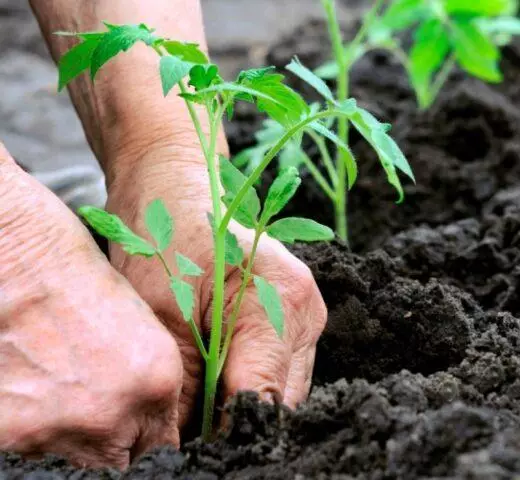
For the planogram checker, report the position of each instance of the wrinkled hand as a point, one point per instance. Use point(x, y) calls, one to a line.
point(86, 370)
point(257, 359)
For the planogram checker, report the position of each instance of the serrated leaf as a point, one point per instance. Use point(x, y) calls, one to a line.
point(118, 39)
point(301, 71)
point(475, 51)
point(113, 228)
point(281, 191)
point(271, 301)
point(159, 223)
point(351, 166)
point(254, 74)
point(386, 146)
point(292, 229)
point(172, 70)
point(76, 61)
point(328, 71)
point(291, 156)
point(187, 267)
point(402, 14)
point(234, 253)
point(202, 76)
point(232, 180)
point(430, 49)
point(486, 8)
point(189, 52)
point(183, 293)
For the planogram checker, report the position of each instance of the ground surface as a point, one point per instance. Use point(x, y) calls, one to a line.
point(422, 351)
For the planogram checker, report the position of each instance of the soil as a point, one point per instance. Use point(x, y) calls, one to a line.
point(418, 371)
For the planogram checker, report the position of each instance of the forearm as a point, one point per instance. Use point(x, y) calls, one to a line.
point(124, 113)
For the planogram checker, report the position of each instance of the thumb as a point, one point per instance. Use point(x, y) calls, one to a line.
point(5, 155)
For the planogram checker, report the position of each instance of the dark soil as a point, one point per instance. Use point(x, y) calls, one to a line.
point(423, 340)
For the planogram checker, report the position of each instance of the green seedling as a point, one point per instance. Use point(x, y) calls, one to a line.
point(185, 67)
point(446, 34)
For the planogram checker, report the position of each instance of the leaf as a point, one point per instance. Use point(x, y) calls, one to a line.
point(232, 180)
point(254, 74)
point(402, 14)
point(270, 299)
point(387, 150)
point(292, 229)
point(112, 228)
point(118, 39)
point(189, 52)
point(311, 78)
point(328, 71)
point(172, 70)
point(291, 156)
point(234, 253)
point(351, 166)
point(183, 293)
point(159, 223)
point(202, 76)
point(187, 267)
point(475, 51)
point(430, 48)
point(281, 191)
point(500, 25)
point(488, 8)
point(76, 60)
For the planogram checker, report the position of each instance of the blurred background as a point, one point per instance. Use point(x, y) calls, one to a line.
point(40, 127)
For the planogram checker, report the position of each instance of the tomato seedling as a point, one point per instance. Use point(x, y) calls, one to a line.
point(446, 34)
point(185, 66)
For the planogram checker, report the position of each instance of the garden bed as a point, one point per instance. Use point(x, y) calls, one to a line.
point(418, 372)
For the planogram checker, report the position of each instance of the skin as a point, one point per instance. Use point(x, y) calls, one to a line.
point(77, 371)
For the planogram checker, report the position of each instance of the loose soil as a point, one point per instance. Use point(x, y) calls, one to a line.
point(418, 372)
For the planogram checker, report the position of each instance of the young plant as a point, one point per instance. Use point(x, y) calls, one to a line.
point(447, 33)
point(184, 65)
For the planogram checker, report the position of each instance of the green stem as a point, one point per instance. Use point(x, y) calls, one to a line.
point(212, 363)
point(342, 95)
point(325, 156)
point(440, 80)
point(238, 302)
point(320, 179)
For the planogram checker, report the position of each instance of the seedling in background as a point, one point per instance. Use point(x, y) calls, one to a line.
point(446, 34)
point(184, 65)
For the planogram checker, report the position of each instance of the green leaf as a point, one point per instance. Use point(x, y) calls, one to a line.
point(292, 229)
point(475, 51)
point(281, 191)
point(328, 71)
point(183, 293)
point(311, 78)
point(172, 70)
point(352, 170)
point(291, 156)
point(118, 39)
point(254, 74)
point(387, 150)
point(159, 223)
point(234, 253)
point(488, 8)
point(187, 267)
point(232, 180)
point(189, 52)
point(76, 61)
point(271, 301)
point(402, 14)
point(500, 25)
point(430, 48)
point(202, 76)
point(112, 228)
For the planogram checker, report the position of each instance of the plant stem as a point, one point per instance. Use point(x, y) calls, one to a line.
point(342, 94)
point(238, 302)
point(320, 179)
point(440, 80)
point(218, 284)
point(325, 156)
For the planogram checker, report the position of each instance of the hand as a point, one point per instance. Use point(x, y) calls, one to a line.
point(257, 359)
point(86, 370)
